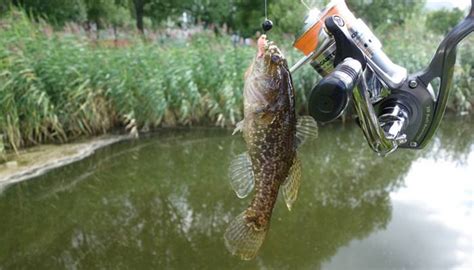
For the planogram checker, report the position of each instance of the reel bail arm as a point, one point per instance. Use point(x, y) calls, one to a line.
point(441, 66)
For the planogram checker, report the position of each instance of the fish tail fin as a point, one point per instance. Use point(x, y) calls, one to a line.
point(243, 240)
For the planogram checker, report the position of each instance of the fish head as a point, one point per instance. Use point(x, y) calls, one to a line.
point(267, 78)
point(269, 58)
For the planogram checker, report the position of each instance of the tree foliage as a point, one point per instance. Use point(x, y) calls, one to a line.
point(287, 16)
point(380, 12)
point(3, 7)
point(242, 16)
point(99, 11)
point(441, 21)
point(55, 11)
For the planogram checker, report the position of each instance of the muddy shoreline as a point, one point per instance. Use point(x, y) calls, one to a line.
point(40, 159)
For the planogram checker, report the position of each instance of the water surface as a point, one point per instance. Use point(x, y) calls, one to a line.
point(164, 202)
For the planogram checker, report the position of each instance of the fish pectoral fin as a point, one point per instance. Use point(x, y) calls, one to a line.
point(243, 240)
point(306, 128)
point(241, 175)
point(239, 127)
point(292, 183)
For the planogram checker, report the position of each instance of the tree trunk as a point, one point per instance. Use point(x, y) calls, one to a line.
point(97, 29)
point(115, 36)
point(88, 28)
point(139, 14)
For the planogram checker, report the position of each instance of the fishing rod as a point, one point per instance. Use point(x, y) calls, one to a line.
point(394, 109)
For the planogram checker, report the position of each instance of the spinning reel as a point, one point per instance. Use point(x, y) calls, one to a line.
point(394, 108)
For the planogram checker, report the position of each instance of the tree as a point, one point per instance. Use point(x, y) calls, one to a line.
point(139, 12)
point(56, 12)
point(210, 11)
point(98, 11)
point(441, 21)
point(118, 17)
point(157, 10)
point(380, 12)
point(3, 9)
point(288, 16)
point(248, 15)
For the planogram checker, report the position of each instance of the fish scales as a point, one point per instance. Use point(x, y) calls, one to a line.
point(271, 145)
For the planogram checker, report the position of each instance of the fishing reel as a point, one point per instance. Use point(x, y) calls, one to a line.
point(394, 108)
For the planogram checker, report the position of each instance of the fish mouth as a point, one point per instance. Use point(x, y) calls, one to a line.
point(262, 44)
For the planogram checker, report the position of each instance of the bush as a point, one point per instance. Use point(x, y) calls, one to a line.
point(378, 13)
point(441, 21)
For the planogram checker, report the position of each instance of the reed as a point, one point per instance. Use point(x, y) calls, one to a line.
point(57, 87)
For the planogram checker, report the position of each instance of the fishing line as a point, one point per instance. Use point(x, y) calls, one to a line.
point(306, 5)
point(267, 24)
point(266, 10)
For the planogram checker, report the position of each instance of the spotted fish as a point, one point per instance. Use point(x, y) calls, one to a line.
point(272, 134)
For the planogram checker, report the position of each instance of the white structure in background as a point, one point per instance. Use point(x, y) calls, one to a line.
point(185, 20)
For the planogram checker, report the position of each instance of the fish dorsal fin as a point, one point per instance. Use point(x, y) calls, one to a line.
point(241, 175)
point(292, 183)
point(306, 128)
point(242, 239)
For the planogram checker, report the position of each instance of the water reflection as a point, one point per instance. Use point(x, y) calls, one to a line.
point(164, 202)
point(432, 217)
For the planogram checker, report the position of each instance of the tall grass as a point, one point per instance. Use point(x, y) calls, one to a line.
point(56, 87)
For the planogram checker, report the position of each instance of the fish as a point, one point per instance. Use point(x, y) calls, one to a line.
point(272, 133)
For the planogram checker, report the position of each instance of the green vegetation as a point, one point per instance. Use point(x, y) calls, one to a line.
point(382, 12)
point(59, 85)
point(441, 21)
point(241, 16)
point(54, 88)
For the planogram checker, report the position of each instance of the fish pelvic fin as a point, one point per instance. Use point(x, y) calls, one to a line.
point(242, 239)
point(241, 175)
point(292, 183)
point(306, 128)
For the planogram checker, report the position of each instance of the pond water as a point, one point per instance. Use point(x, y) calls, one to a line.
point(163, 202)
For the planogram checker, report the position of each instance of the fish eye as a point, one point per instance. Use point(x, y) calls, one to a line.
point(276, 58)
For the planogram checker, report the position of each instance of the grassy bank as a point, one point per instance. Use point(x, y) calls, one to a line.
point(55, 87)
